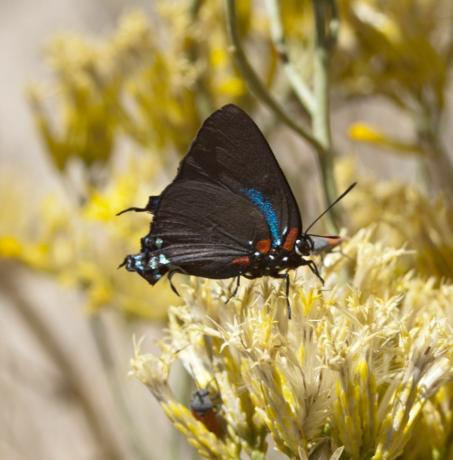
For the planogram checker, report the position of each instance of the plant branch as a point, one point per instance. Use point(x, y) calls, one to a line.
point(326, 24)
point(254, 82)
point(333, 23)
point(440, 168)
point(321, 115)
point(301, 90)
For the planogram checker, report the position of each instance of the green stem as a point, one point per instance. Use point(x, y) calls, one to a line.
point(316, 104)
point(204, 100)
point(254, 82)
point(439, 165)
point(301, 90)
point(194, 8)
point(321, 114)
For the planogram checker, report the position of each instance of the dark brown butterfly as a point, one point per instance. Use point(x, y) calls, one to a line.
point(229, 212)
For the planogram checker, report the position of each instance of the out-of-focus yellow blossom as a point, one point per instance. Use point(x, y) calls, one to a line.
point(153, 84)
point(398, 49)
point(297, 19)
point(364, 132)
point(149, 84)
point(81, 243)
point(30, 230)
point(401, 51)
point(365, 361)
point(403, 215)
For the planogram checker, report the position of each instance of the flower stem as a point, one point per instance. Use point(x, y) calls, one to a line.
point(254, 82)
point(439, 165)
point(300, 88)
point(315, 103)
point(323, 12)
point(106, 357)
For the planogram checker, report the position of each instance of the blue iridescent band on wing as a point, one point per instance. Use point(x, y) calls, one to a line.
point(265, 206)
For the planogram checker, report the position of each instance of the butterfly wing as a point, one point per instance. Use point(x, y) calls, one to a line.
point(199, 228)
point(230, 150)
point(229, 194)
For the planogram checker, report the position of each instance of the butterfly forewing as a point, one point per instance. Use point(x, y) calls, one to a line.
point(231, 151)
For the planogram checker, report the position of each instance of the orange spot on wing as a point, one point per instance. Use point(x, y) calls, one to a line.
point(263, 246)
point(243, 260)
point(291, 238)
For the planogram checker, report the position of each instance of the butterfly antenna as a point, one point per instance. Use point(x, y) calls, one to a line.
point(332, 205)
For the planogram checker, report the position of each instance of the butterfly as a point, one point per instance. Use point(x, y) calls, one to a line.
point(229, 212)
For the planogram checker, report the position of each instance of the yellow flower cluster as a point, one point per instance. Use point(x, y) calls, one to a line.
point(403, 216)
point(364, 364)
point(146, 88)
point(151, 84)
point(81, 242)
point(401, 50)
point(364, 368)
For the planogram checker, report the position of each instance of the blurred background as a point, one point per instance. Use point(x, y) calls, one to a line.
point(100, 100)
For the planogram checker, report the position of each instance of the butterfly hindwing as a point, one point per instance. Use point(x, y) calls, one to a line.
point(203, 227)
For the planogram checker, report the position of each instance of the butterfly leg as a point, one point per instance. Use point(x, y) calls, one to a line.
point(314, 268)
point(170, 276)
point(238, 282)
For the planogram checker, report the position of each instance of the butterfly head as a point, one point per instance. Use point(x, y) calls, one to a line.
point(304, 245)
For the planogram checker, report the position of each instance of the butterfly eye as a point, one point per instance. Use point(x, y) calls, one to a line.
point(302, 247)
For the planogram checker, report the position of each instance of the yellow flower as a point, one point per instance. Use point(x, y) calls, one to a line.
point(152, 85)
point(362, 363)
point(365, 133)
point(403, 215)
point(80, 244)
point(382, 52)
